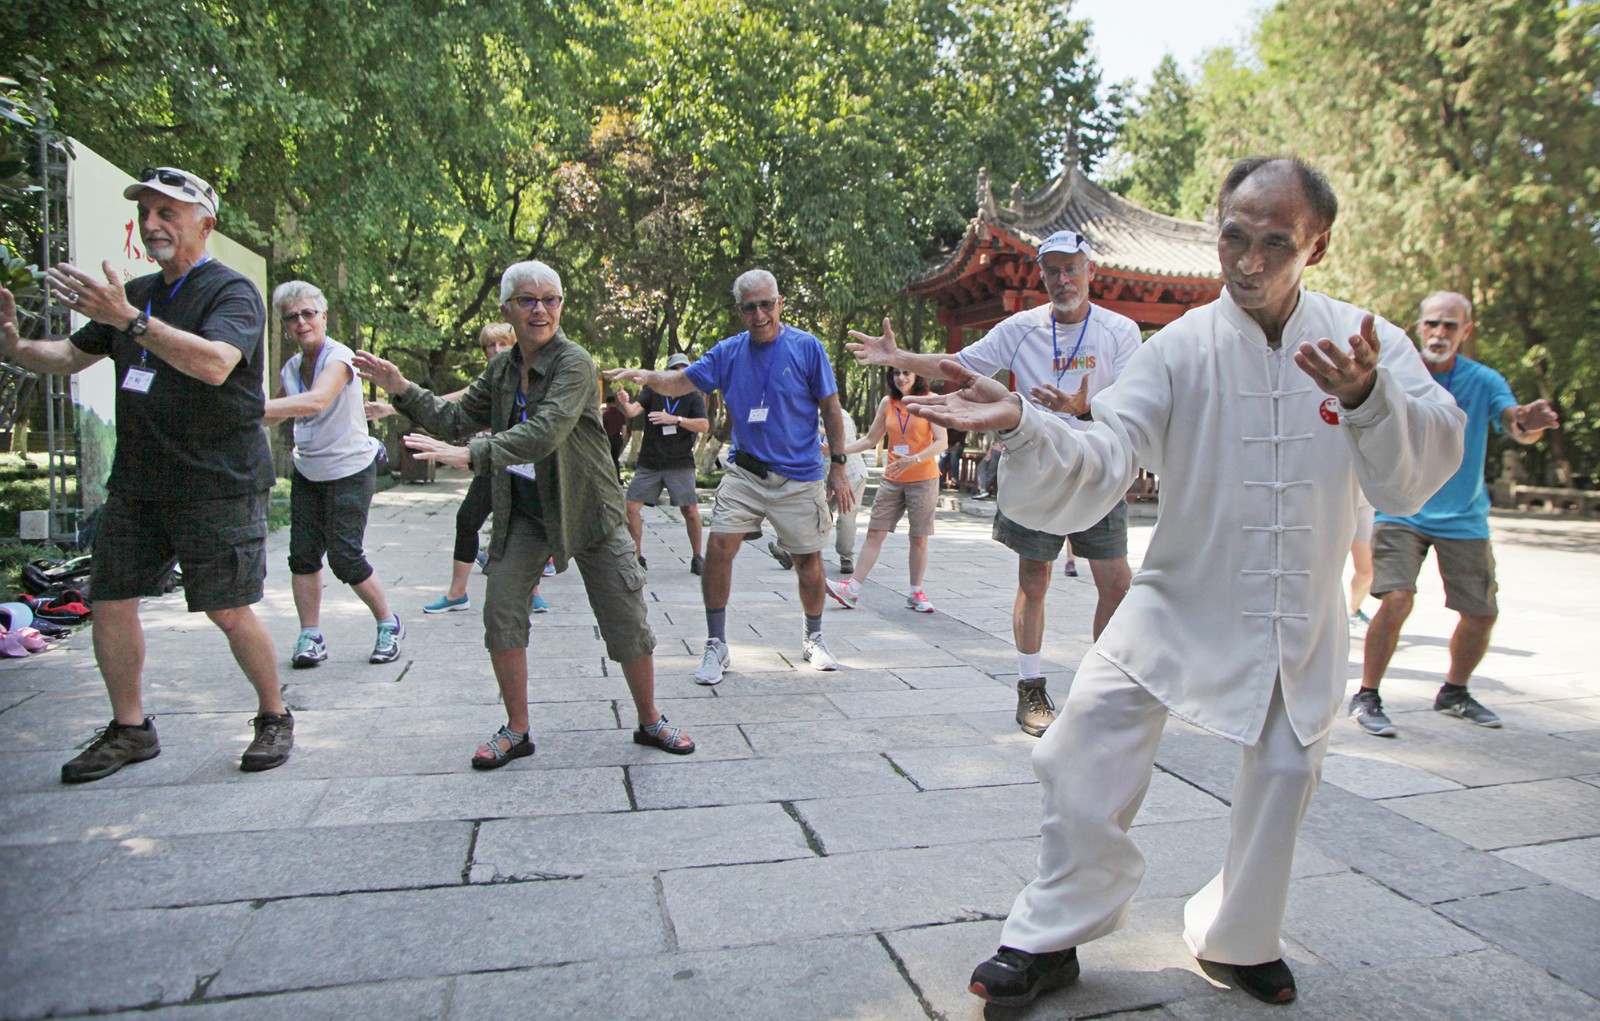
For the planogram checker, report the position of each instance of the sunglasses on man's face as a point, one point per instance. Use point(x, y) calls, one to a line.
point(176, 180)
point(750, 308)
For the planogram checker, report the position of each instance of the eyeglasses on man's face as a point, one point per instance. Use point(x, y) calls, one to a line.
point(304, 315)
point(750, 308)
point(1448, 324)
point(528, 303)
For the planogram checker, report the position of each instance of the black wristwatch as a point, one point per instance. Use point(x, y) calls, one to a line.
point(141, 323)
point(837, 458)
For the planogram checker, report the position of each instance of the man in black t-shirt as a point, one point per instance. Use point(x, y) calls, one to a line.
point(666, 459)
point(192, 473)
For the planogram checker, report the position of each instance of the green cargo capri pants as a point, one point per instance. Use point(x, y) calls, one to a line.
point(612, 579)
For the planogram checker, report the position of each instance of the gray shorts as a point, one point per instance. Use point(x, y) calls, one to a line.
point(678, 482)
point(1465, 565)
point(1106, 539)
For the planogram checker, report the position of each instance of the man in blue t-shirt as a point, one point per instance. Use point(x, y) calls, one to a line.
point(1455, 522)
point(774, 380)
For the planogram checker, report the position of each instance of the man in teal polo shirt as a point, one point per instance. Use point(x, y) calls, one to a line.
point(1455, 522)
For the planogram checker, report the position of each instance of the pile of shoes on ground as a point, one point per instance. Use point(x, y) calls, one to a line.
point(48, 610)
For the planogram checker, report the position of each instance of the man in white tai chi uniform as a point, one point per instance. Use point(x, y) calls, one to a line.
point(1261, 428)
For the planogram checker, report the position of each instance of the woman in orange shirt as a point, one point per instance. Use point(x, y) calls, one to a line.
point(910, 486)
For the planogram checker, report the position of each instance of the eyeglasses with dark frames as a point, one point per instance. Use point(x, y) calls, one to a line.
point(1448, 324)
point(528, 303)
point(750, 308)
point(304, 315)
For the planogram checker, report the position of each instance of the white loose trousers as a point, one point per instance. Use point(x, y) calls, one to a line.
point(1094, 765)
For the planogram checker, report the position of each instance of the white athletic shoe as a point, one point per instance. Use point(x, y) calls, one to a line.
point(817, 654)
point(713, 662)
point(918, 601)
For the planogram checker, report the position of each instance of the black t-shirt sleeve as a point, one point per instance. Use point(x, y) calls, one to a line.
point(236, 317)
point(94, 339)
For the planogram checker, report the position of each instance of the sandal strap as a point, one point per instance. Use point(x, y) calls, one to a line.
point(512, 738)
point(668, 736)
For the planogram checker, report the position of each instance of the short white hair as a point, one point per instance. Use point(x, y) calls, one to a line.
point(1461, 301)
point(751, 279)
point(533, 271)
point(291, 291)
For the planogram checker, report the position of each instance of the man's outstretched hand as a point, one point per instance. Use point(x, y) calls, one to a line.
point(980, 405)
point(375, 370)
point(870, 350)
point(1349, 377)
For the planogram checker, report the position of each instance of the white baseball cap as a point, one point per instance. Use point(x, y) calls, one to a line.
point(178, 184)
point(1068, 241)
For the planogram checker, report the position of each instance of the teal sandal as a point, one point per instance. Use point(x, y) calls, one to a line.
point(517, 746)
point(669, 739)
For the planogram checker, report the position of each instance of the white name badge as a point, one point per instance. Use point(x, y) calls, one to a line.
point(668, 430)
point(758, 414)
point(138, 380)
point(902, 450)
point(525, 470)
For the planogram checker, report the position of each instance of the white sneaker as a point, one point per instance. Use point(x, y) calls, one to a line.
point(919, 601)
point(715, 660)
point(847, 592)
point(817, 654)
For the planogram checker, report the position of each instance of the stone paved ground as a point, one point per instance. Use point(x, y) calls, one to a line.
point(841, 846)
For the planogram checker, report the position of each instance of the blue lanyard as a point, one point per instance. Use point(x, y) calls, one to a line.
point(671, 404)
point(1055, 352)
point(316, 368)
point(522, 404)
point(144, 353)
point(772, 360)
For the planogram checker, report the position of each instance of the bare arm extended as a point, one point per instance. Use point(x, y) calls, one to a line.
point(881, 350)
point(57, 357)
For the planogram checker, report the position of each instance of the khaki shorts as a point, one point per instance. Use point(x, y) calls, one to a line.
point(798, 510)
point(612, 579)
point(918, 499)
point(1465, 565)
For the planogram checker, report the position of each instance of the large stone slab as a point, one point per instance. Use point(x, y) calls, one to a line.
point(726, 708)
point(1548, 926)
point(366, 937)
point(1373, 777)
point(1510, 814)
point(768, 779)
point(985, 765)
point(863, 735)
point(922, 819)
point(86, 813)
point(1391, 849)
point(508, 793)
point(418, 1000)
point(839, 895)
point(619, 843)
point(1574, 864)
point(211, 868)
point(825, 978)
point(925, 701)
point(1350, 921)
point(35, 878)
point(54, 963)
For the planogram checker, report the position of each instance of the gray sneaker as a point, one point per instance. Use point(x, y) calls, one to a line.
point(1366, 708)
point(309, 650)
point(114, 747)
point(1455, 700)
point(784, 560)
point(387, 649)
point(274, 738)
point(713, 662)
point(1035, 711)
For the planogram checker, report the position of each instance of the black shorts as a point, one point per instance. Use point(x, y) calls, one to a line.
point(331, 518)
point(220, 544)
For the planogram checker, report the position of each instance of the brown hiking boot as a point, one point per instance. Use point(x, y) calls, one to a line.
point(1035, 711)
point(114, 747)
point(274, 738)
